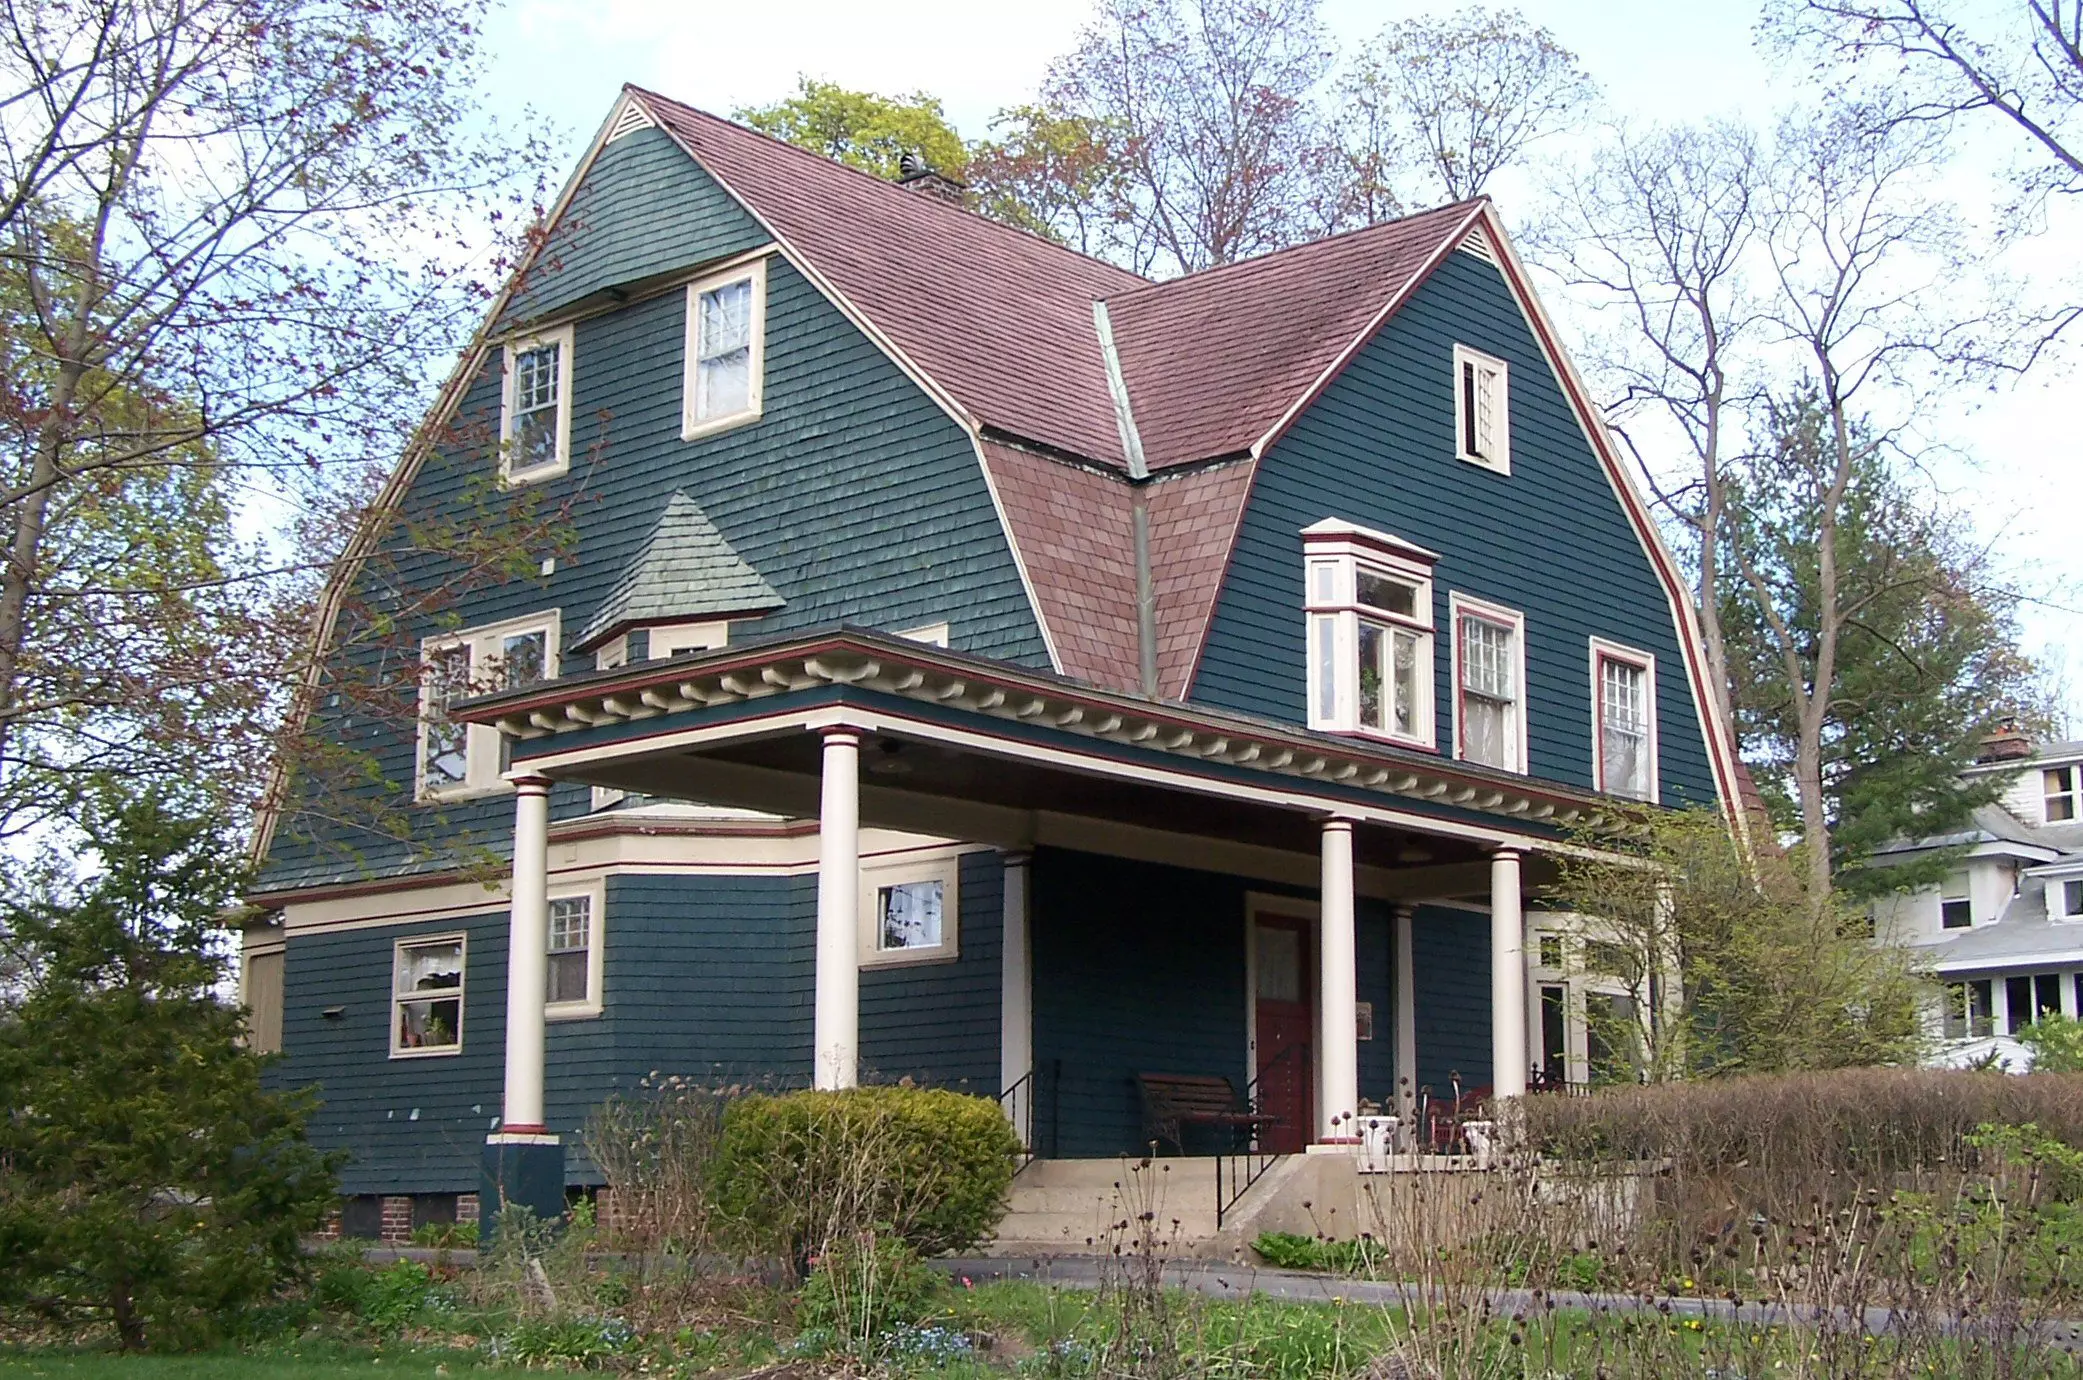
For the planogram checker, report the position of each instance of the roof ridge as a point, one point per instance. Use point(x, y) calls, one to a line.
point(1203, 274)
point(935, 203)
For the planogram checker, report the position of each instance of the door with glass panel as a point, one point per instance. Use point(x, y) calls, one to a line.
point(1284, 1013)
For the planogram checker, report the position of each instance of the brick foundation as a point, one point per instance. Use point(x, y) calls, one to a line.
point(397, 1221)
point(466, 1207)
point(330, 1230)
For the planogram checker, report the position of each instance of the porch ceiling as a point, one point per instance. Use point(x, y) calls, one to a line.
point(968, 747)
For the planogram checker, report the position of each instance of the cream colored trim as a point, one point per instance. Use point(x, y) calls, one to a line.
point(562, 338)
point(585, 862)
point(941, 865)
point(421, 941)
point(1501, 437)
point(629, 117)
point(663, 640)
point(693, 427)
point(1603, 650)
point(932, 634)
point(596, 893)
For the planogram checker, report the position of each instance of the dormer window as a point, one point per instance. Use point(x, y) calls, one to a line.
point(1369, 605)
point(1482, 411)
point(1955, 903)
point(2059, 784)
point(726, 349)
point(535, 418)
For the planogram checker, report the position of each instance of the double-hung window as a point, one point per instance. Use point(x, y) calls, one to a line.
point(726, 349)
point(574, 954)
point(1623, 690)
point(2059, 787)
point(535, 420)
point(427, 996)
point(1955, 903)
point(1482, 410)
point(1369, 611)
point(1489, 684)
point(466, 759)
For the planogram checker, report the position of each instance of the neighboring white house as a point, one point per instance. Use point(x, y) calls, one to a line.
point(2004, 931)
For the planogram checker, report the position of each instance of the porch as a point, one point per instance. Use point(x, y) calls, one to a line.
point(1184, 891)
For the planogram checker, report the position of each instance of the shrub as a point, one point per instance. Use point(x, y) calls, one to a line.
point(864, 1286)
point(446, 1235)
point(1290, 1251)
point(657, 1149)
point(801, 1170)
point(2056, 1043)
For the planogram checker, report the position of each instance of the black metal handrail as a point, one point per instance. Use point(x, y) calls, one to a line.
point(1018, 1104)
point(1238, 1170)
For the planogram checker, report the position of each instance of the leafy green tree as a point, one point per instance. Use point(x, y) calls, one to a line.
point(2056, 1043)
point(1063, 177)
point(1925, 661)
point(863, 130)
point(1731, 965)
point(149, 1179)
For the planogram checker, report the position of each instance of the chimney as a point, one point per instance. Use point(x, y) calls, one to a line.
point(2009, 743)
point(913, 172)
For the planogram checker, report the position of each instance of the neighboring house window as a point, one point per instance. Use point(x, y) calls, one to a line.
point(427, 997)
point(726, 349)
point(1369, 611)
point(466, 759)
point(1482, 411)
point(2072, 898)
point(574, 973)
point(535, 422)
point(909, 911)
point(2060, 785)
point(1623, 683)
point(1489, 685)
point(1955, 910)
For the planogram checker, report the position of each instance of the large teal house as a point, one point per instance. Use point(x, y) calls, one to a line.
point(979, 664)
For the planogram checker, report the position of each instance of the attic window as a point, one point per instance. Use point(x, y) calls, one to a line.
point(1482, 412)
point(535, 418)
point(726, 349)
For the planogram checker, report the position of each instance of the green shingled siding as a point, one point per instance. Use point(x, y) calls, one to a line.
point(712, 978)
point(1549, 539)
point(854, 496)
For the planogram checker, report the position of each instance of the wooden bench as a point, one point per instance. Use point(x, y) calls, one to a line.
point(1174, 1101)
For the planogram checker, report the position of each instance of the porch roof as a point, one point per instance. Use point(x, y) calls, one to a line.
point(975, 747)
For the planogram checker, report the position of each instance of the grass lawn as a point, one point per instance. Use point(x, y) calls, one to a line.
point(318, 1361)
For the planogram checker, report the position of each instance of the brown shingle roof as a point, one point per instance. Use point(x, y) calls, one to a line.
point(1214, 360)
point(1000, 319)
point(1001, 323)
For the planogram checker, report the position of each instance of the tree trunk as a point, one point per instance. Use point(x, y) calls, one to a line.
point(122, 1307)
point(25, 549)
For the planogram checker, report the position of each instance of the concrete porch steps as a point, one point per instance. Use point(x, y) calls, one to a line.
point(1060, 1207)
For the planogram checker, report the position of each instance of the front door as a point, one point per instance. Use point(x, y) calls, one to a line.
point(1286, 1025)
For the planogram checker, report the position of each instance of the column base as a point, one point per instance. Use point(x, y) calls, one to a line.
point(521, 1171)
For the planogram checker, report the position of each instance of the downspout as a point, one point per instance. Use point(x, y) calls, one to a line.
point(1139, 480)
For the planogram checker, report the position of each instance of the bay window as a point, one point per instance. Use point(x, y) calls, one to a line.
point(1489, 684)
point(467, 759)
point(1369, 609)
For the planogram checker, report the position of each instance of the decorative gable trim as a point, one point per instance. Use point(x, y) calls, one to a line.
point(628, 118)
point(1476, 244)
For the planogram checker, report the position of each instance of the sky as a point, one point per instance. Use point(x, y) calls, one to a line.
point(2007, 457)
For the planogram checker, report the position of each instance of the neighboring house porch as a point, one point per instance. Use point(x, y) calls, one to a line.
point(1178, 890)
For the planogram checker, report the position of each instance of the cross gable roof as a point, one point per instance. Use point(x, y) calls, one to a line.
point(684, 571)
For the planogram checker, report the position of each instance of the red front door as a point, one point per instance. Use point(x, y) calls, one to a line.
point(1286, 1019)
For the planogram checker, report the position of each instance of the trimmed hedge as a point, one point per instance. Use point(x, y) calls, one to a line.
point(802, 1170)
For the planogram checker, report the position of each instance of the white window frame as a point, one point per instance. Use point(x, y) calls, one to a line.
point(1459, 608)
point(932, 634)
point(595, 896)
point(945, 868)
point(1334, 554)
point(398, 999)
point(1492, 367)
point(1603, 651)
point(560, 336)
point(1948, 896)
point(482, 769)
point(670, 639)
point(2074, 794)
point(691, 425)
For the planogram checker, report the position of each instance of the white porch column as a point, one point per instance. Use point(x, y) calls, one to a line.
point(527, 957)
point(837, 1028)
point(1404, 1104)
point(2068, 993)
point(1507, 977)
point(1016, 997)
point(1337, 1041)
